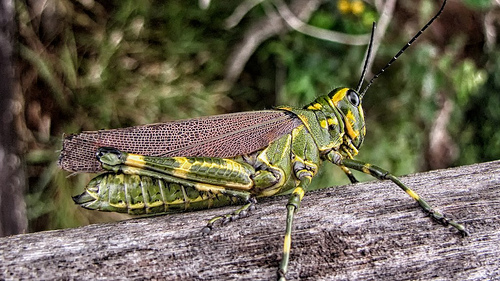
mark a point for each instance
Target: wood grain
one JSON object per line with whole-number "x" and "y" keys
{"x": 367, "y": 231}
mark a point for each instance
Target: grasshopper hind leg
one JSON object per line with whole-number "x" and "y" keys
{"x": 241, "y": 212}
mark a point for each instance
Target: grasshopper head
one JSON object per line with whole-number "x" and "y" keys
{"x": 349, "y": 111}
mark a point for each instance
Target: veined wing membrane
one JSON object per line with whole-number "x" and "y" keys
{"x": 222, "y": 136}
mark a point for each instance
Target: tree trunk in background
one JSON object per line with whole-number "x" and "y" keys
{"x": 12, "y": 207}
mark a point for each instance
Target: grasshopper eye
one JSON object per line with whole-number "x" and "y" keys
{"x": 353, "y": 97}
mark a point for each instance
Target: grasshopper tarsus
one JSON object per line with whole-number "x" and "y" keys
{"x": 281, "y": 275}
{"x": 241, "y": 212}
{"x": 206, "y": 230}
{"x": 443, "y": 220}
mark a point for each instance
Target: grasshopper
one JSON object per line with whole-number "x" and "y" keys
{"x": 229, "y": 159}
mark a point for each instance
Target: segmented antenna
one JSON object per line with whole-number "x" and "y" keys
{"x": 368, "y": 55}
{"x": 402, "y": 50}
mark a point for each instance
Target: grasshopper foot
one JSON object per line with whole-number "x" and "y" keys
{"x": 224, "y": 219}
{"x": 443, "y": 220}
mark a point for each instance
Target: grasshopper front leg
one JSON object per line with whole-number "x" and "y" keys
{"x": 382, "y": 174}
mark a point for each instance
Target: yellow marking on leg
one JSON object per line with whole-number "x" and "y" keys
{"x": 300, "y": 191}
{"x": 366, "y": 168}
{"x": 413, "y": 194}
{"x": 345, "y": 169}
{"x": 183, "y": 169}
{"x": 175, "y": 202}
{"x": 207, "y": 187}
{"x": 352, "y": 147}
{"x": 278, "y": 185}
{"x": 135, "y": 160}
{"x": 286, "y": 244}
{"x": 347, "y": 152}
{"x": 178, "y": 173}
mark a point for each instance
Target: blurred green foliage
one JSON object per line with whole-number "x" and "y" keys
{"x": 87, "y": 65}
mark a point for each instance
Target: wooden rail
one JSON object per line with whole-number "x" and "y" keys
{"x": 367, "y": 231}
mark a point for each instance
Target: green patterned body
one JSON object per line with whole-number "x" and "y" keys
{"x": 282, "y": 153}
{"x": 140, "y": 195}
{"x": 142, "y": 184}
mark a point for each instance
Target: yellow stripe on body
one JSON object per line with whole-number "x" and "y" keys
{"x": 351, "y": 120}
{"x": 344, "y": 6}
{"x": 94, "y": 195}
{"x": 155, "y": 204}
{"x": 175, "y": 202}
{"x": 137, "y": 206}
{"x": 122, "y": 205}
{"x": 323, "y": 124}
{"x": 337, "y": 97}
{"x": 332, "y": 121}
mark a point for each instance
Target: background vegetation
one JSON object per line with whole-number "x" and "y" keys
{"x": 88, "y": 65}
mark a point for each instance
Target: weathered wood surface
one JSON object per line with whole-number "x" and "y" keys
{"x": 369, "y": 231}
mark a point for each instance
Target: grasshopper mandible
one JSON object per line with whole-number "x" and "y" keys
{"x": 229, "y": 159}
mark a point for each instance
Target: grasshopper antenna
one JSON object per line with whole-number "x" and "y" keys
{"x": 402, "y": 50}
{"x": 368, "y": 55}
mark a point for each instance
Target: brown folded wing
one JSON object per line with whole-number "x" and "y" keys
{"x": 223, "y": 136}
